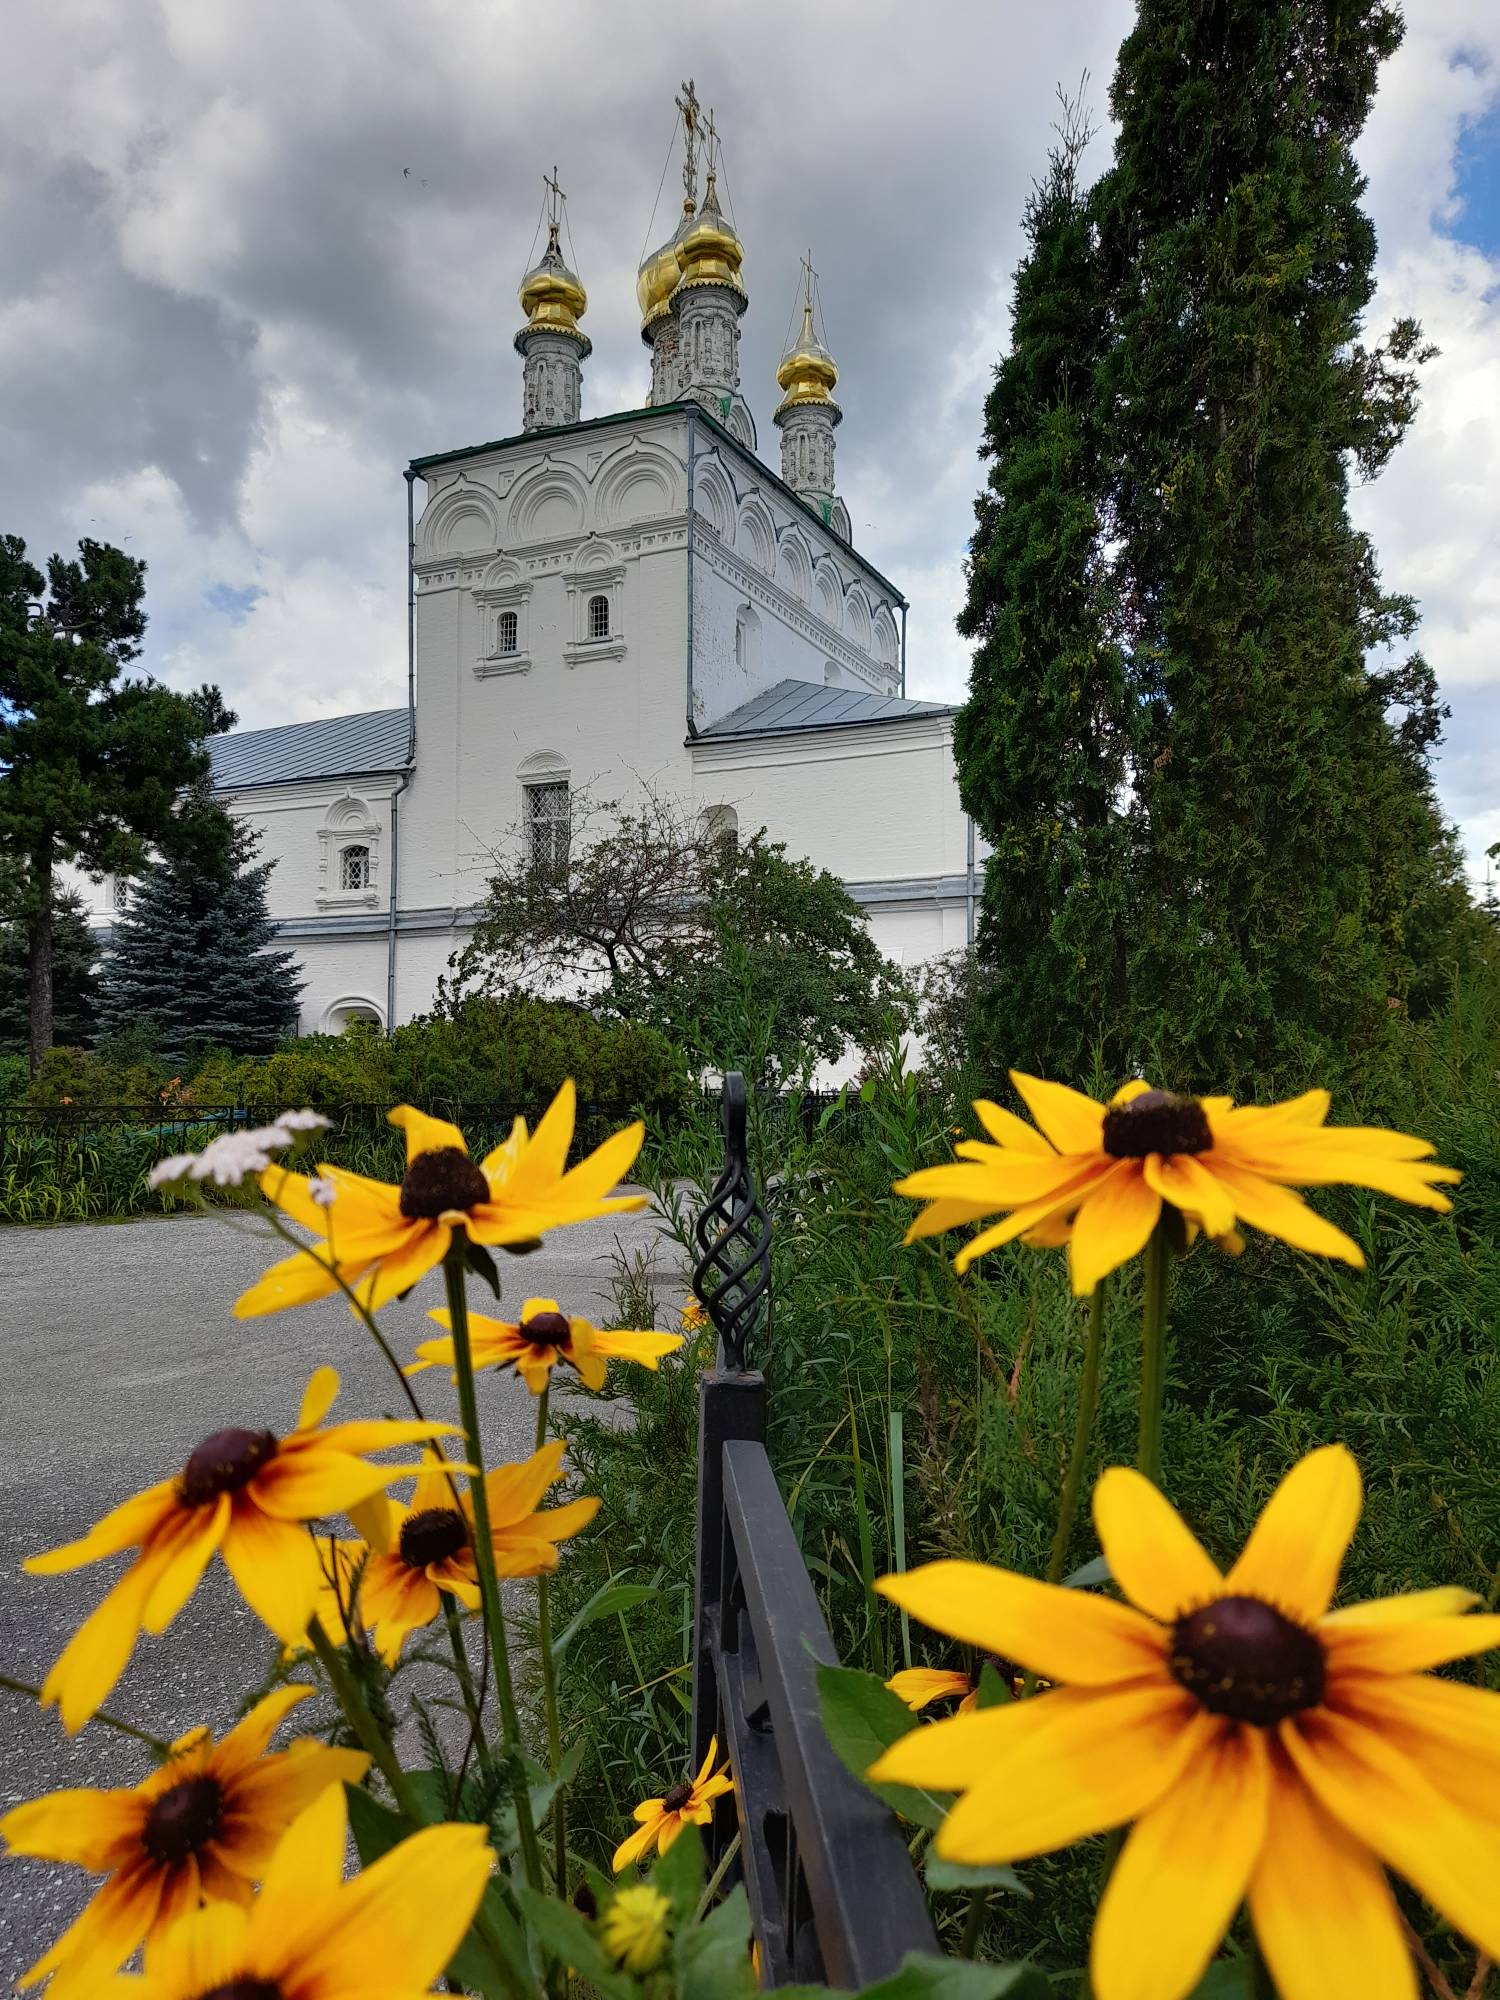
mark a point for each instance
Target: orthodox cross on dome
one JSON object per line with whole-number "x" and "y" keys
{"x": 687, "y": 105}
{"x": 555, "y": 199}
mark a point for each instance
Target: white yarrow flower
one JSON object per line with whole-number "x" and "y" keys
{"x": 172, "y": 1169}
{"x": 322, "y": 1188}
{"x": 302, "y": 1121}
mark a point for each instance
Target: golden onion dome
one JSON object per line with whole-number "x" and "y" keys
{"x": 552, "y": 298}
{"x": 708, "y": 250}
{"x": 808, "y": 371}
{"x": 657, "y": 278}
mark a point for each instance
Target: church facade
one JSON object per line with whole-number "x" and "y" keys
{"x": 604, "y": 604}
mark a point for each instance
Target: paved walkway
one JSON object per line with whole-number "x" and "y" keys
{"x": 117, "y": 1354}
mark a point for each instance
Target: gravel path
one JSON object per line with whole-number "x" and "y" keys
{"x": 118, "y": 1355}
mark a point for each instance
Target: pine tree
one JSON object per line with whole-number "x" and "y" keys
{"x": 75, "y": 957}
{"x": 1043, "y": 744}
{"x": 191, "y": 955}
{"x": 1288, "y": 837}
{"x": 91, "y": 761}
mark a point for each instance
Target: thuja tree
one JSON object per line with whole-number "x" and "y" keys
{"x": 92, "y": 758}
{"x": 194, "y": 954}
{"x": 1043, "y": 743}
{"x": 1289, "y": 853}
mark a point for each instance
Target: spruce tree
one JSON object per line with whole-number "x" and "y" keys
{"x": 192, "y": 955}
{"x": 1043, "y": 743}
{"x": 1287, "y": 834}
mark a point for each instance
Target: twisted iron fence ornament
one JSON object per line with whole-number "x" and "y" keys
{"x": 733, "y": 1235}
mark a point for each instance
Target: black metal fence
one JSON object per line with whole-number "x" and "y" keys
{"x": 832, "y": 1892}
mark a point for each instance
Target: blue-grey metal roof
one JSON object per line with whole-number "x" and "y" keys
{"x": 795, "y": 705}
{"x": 335, "y": 746}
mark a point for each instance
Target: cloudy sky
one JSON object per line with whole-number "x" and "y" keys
{"x": 257, "y": 254}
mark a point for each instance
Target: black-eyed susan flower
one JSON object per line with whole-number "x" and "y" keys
{"x": 694, "y": 1316}
{"x": 637, "y": 1928}
{"x": 242, "y": 1493}
{"x": 690, "y": 1803}
{"x": 1265, "y": 1746}
{"x": 543, "y": 1336}
{"x": 310, "y": 1935}
{"x": 382, "y": 1239}
{"x": 199, "y": 1829}
{"x": 920, "y": 1687}
{"x": 1097, "y": 1176}
{"x": 425, "y": 1550}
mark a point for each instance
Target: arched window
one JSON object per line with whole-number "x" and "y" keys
{"x": 832, "y": 677}
{"x": 722, "y": 824}
{"x": 549, "y": 823}
{"x": 509, "y": 629}
{"x": 599, "y": 617}
{"x": 354, "y": 868}
{"x": 122, "y": 895}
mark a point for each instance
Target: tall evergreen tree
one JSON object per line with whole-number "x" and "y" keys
{"x": 1288, "y": 838}
{"x": 192, "y": 955}
{"x": 1043, "y": 743}
{"x": 75, "y": 958}
{"x": 91, "y": 760}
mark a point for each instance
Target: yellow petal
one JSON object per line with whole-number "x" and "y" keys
{"x": 304, "y": 1485}
{"x": 1172, "y": 1893}
{"x": 1322, "y": 1908}
{"x": 1071, "y": 1763}
{"x": 100, "y": 1941}
{"x": 635, "y": 1845}
{"x": 1282, "y": 1214}
{"x": 424, "y": 1134}
{"x": 185, "y": 1549}
{"x": 1295, "y": 1549}
{"x": 129, "y": 1525}
{"x": 276, "y": 1568}
{"x": 1065, "y": 1635}
{"x": 515, "y": 1491}
{"x": 317, "y": 1398}
{"x": 408, "y": 1912}
{"x": 1190, "y": 1186}
{"x": 291, "y": 1194}
{"x": 939, "y": 1216}
{"x": 645, "y": 1349}
{"x": 499, "y": 1163}
{"x": 1111, "y": 1225}
{"x": 94, "y": 1658}
{"x": 919, "y": 1686}
{"x": 1410, "y": 1647}
{"x": 424, "y": 1250}
{"x": 1153, "y": 1556}
{"x": 1034, "y": 1218}
{"x": 250, "y": 1735}
{"x": 1449, "y": 1731}
{"x": 295, "y": 1281}
{"x": 92, "y": 1829}
{"x": 1006, "y": 1129}
{"x": 1444, "y": 1601}
{"x": 1383, "y": 1799}
{"x": 705, "y": 1769}
{"x": 1072, "y": 1122}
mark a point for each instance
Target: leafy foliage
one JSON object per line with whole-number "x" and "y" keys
{"x": 661, "y": 920}
{"x": 193, "y": 953}
{"x": 91, "y": 759}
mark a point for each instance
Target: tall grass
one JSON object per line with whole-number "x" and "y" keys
{"x": 914, "y": 1414}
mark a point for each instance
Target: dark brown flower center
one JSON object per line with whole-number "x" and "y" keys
{"x": 678, "y": 1797}
{"x": 224, "y": 1463}
{"x": 183, "y": 1820}
{"x": 546, "y": 1330}
{"x": 244, "y": 1989}
{"x": 432, "y": 1536}
{"x": 437, "y": 1181}
{"x": 1157, "y": 1121}
{"x": 1242, "y": 1657}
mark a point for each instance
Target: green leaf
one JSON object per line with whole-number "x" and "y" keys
{"x": 482, "y": 1264}
{"x": 1226, "y": 1979}
{"x": 679, "y": 1874}
{"x": 994, "y": 1689}
{"x": 570, "y": 1938}
{"x": 945, "y": 1877}
{"x": 606, "y": 1601}
{"x": 375, "y": 1827}
{"x": 541, "y": 1789}
{"x": 713, "y": 1958}
{"x": 922, "y": 1976}
{"x": 861, "y": 1718}
{"x": 473, "y": 1964}
{"x": 1090, "y": 1574}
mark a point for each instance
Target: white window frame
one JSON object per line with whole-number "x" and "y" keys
{"x": 593, "y": 580}
{"x": 494, "y": 601}
{"x": 348, "y": 822}
{"x": 347, "y": 852}
{"x": 548, "y": 785}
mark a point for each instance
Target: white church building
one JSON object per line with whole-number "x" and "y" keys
{"x": 609, "y": 602}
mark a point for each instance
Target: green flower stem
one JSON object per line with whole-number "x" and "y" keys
{"x": 978, "y": 1909}
{"x": 155, "y": 1744}
{"x": 1088, "y": 1405}
{"x": 1158, "y": 1271}
{"x": 715, "y": 1881}
{"x": 549, "y": 1691}
{"x": 484, "y": 1557}
{"x": 366, "y": 1728}
{"x": 465, "y": 1674}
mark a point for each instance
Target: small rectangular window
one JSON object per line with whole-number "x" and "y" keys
{"x": 509, "y": 628}
{"x": 354, "y": 868}
{"x": 122, "y": 894}
{"x": 548, "y": 826}
{"x": 598, "y": 617}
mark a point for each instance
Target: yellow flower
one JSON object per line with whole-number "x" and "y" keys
{"x": 541, "y": 1337}
{"x": 382, "y": 1239}
{"x": 1263, "y": 1744}
{"x": 243, "y": 1493}
{"x": 199, "y": 1829}
{"x": 636, "y": 1928}
{"x": 1095, "y": 1176}
{"x": 919, "y": 1687}
{"x": 694, "y": 1316}
{"x": 310, "y": 1935}
{"x": 427, "y": 1548}
{"x": 659, "y": 1821}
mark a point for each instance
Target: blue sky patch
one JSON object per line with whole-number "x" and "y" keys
{"x": 1477, "y": 185}
{"x": 235, "y": 605}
